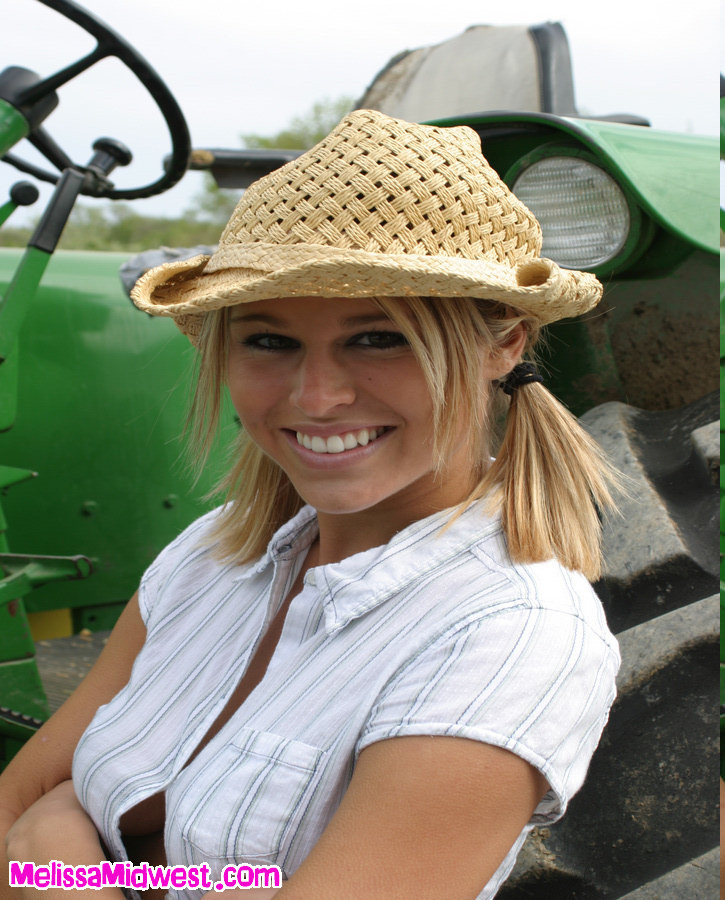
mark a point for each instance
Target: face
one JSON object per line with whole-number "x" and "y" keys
{"x": 331, "y": 390}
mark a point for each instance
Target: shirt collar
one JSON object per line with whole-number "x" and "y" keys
{"x": 359, "y": 583}
{"x": 293, "y": 538}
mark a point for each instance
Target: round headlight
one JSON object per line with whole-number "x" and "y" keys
{"x": 583, "y": 213}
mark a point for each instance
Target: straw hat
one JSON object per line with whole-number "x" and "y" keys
{"x": 379, "y": 208}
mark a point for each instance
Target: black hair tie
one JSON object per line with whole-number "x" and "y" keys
{"x": 523, "y": 373}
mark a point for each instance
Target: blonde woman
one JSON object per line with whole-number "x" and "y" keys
{"x": 380, "y": 662}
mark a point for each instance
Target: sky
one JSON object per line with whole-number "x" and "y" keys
{"x": 237, "y": 67}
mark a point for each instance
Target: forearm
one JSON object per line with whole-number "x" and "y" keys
{"x": 56, "y": 828}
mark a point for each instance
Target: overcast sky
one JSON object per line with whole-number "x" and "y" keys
{"x": 250, "y": 67}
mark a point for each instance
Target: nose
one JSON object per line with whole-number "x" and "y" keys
{"x": 321, "y": 384}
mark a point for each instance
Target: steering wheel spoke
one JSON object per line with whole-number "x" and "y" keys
{"x": 53, "y": 82}
{"x": 43, "y": 142}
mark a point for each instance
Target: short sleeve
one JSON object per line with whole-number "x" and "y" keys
{"x": 537, "y": 682}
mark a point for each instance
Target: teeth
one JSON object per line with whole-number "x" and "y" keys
{"x": 337, "y": 443}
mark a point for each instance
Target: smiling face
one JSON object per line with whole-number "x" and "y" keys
{"x": 332, "y": 391}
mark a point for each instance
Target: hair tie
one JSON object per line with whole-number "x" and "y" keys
{"x": 523, "y": 373}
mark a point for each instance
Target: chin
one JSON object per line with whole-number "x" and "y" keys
{"x": 343, "y": 508}
{"x": 339, "y": 505}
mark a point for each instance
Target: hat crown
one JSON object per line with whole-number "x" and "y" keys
{"x": 381, "y": 185}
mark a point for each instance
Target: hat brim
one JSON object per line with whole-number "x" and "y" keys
{"x": 187, "y": 289}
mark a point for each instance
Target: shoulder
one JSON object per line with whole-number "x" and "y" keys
{"x": 480, "y": 610}
{"x": 539, "y": 587}
{"x": 545, "y": 617}
{"x": 189, "y": 574}
{"x": 188, "y": 558}
{"x": 468, "y": 573}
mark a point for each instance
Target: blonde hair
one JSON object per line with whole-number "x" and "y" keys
{"x": 549, "y": 478}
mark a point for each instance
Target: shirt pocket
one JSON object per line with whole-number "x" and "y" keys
{"x": 250, "y": 800}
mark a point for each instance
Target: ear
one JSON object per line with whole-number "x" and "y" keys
{"x": 506, "y": 357}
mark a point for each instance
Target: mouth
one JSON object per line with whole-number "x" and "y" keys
{"x": 339, "y": 443}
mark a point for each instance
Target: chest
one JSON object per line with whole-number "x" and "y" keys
{"x": 148, "y": 816}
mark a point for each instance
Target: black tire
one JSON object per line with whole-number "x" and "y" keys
{"x": 645, "y": 824}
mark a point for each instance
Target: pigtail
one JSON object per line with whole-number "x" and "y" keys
{"x": 553, "y": 482}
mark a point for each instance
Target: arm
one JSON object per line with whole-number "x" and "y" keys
{"x": 45, "y": 761}
{"x": 423, "y": 818}
{"x": 56, "y": 827}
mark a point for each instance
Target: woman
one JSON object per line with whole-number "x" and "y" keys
{"x": 380, "y": 663}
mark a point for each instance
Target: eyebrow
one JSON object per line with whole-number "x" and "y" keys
{"x": 350, "y": 321}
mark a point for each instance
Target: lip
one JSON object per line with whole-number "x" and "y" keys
{"x": 334, "y": 460}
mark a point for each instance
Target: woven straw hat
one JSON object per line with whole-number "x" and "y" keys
{"x": 379, "y": 208}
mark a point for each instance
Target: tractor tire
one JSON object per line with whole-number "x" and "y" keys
{"x": 645, "y": 824}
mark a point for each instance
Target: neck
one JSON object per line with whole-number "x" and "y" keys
{"x": 342, "y": 535}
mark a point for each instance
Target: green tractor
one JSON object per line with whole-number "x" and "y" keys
{"x": 93, "y": 398}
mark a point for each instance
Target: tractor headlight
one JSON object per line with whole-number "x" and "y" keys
{"x": 586, "y": 219}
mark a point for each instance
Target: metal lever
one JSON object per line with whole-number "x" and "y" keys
{"x": 109, "y": 154}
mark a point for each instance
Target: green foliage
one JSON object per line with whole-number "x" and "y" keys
{"x": 116, "y": 226}
{"x": 14, "y": 237}
{"x": 306, "y": 130}
{"x": 214, "y": 204}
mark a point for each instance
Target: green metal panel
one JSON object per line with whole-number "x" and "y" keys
{"x": 9, "y": 389}
{"x": 13, "y": 127}
{"x": 21, "y": 690}
{"x": 17, "y": 298}
{"x": 17, "y": 642}
{"x": 96, "y": 618}
{"x": 652, "y": 343}
{"x": 674, "y": 176}
{"x": 102, "y": 399}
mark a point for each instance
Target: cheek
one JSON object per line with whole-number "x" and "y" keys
{"x": 404, "y": 389}
{"x": 252, "y": 392}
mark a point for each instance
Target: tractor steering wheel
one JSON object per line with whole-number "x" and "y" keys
{"x": 109, "y": 44}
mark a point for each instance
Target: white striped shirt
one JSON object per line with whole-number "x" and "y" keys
{"x": 435, "y": 633}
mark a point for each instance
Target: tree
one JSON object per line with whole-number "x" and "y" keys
{"x": 306, "y": 130}
{"x": 212, "y": 203}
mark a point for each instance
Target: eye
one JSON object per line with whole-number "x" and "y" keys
{"x": 270, "y": 342}
{"x": 380, "y": 340}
